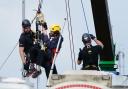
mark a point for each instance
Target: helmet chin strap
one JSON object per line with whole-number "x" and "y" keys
{"x": 88, "y": 45}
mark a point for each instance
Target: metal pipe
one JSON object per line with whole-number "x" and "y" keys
{"x": 23, "y": 9}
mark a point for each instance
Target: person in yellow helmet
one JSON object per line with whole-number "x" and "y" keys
{"x": 51, "y": 42}
{"x": 55, "y": 30}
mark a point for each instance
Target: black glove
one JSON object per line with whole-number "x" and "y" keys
{"x": 45, "y": 25}
{"x": 92, "y": 37}
{"x": 26, "y": 66}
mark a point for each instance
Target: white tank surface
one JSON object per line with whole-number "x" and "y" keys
{"x": 14, "y": 83}
{"x": 82, "y": 79}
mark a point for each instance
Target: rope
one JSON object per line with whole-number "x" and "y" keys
{"x": 84, "y": 16}
{"x": 69, "y": 32}
{"x": 88, "y": 26}
{"x": 2, "y": 65}
{"x": 39, "y": 7}
{"x": 64, "y": 24}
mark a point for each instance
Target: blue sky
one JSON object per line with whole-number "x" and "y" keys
{"x": 55, "y": 12}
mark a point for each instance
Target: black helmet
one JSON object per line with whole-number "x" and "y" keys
{"x": 26, "y": 23}
{"x": 86, "y": 38}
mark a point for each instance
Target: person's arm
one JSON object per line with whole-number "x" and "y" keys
{"x": 45, "y": 38}
{"x": 44, "y": 32}
{"x": 21, "y": 49}
{"x": 98, "y": 42}
{"x": 79, "y": 60}
{"x": 22, "y": 55}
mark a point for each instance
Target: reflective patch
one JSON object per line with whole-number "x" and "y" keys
{"x": 21, "y": 45}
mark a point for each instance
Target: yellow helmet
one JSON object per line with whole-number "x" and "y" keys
{"x": 55, "y": 28}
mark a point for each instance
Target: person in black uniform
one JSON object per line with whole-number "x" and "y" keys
{"x": 30, "y": 50}
{"x": 89, "y": 54}
{"x": 26, "y": 41}
{"x": 32, "y": 53}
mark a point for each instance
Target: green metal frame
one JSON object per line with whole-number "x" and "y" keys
{"x": 107, "y": 65}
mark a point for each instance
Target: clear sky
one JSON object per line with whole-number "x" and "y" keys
{"x": 55, "y": 12}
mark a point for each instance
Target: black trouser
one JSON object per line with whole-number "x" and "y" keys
{"x": 43, "y": 59}
{"x": 48, "y": 68}
{"x": 37, "y": 55}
